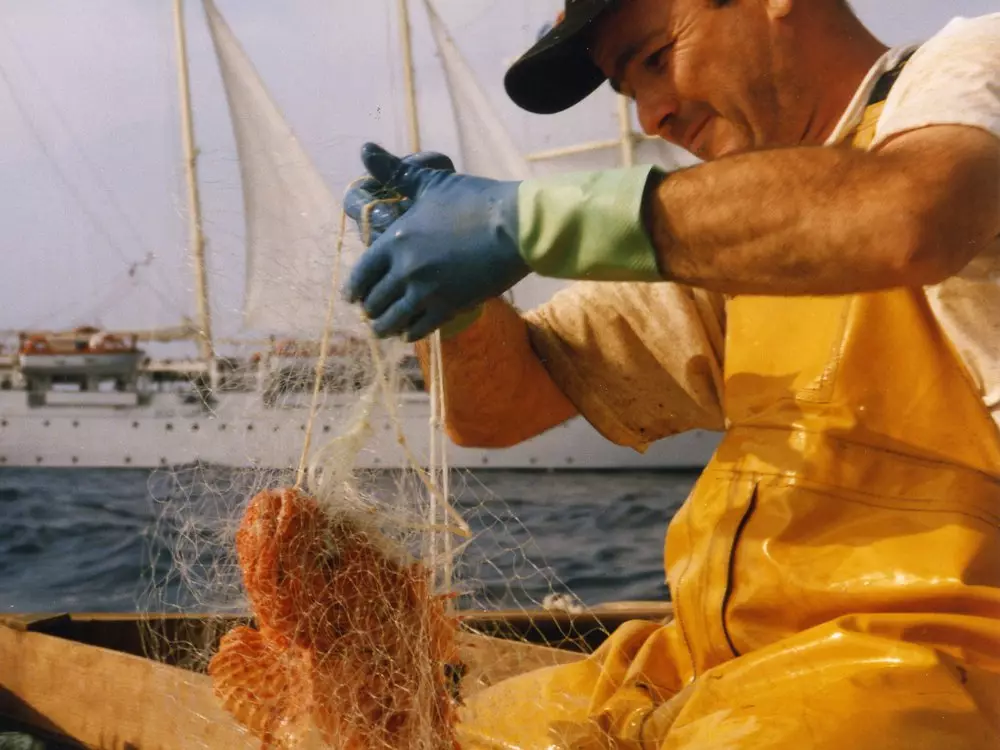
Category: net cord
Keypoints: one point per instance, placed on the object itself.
(435, 478)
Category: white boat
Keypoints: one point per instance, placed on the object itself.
(160, 414)
(168, 429)
(101, 408)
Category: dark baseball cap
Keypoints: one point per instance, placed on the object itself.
(558, 71)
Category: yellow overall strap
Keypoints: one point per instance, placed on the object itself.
(864, 132)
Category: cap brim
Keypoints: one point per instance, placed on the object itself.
(558, 71)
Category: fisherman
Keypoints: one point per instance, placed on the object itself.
(825, 287)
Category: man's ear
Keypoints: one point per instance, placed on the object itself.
(777, 9)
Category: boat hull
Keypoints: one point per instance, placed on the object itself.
(239, 431)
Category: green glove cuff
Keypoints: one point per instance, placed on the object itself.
(460, 322)
(587, 226)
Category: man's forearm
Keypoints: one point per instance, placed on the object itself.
(497, 392)
(797, 221)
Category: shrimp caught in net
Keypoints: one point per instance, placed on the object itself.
(349, 636)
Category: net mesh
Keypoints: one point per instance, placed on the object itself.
(337, 605)
(323, 621)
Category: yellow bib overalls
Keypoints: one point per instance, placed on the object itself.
(836, 570)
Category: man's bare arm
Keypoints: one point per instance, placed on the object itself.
(831, 220)
(497, 391)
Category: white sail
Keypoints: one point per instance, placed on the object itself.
(487, 148)
(292, 218)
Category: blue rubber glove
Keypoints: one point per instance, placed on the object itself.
(388, 206)
(454, 249)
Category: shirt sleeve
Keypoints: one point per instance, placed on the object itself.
(639, 361)
(953, 79)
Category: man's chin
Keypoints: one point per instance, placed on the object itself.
(724, 148)
(722, 153)
(708, 150)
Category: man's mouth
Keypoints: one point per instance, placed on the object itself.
(690, 137)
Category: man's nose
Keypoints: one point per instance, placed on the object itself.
(654, 111)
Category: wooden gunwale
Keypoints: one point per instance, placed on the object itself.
(85, 680)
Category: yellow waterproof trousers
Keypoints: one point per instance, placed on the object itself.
(835, 572)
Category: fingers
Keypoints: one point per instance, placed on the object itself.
(381, 165)
(426, 324)
(430, 160)
(359, 196)
(400, 314)
(370, 190)
(386, 206)
(373, 265)
(393, 172)
(386, 292)
(392, 304)
(372, 223)
(395, 306)
(389, 165)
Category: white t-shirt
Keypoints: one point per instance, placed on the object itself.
(953, 79)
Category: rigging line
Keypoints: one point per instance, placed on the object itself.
(126, 287)
(117, 288)
(92, 313)
(458, 27)
(95, 220)
(32, 128)
(96, 173)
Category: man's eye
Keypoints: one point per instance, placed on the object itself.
(655, 61)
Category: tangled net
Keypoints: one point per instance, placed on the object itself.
(348, 635)
(343, 583)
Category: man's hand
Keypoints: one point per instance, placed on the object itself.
(386, 206)
(454, 248)
(466, 239)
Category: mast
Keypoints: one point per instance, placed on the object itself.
(406, 38)
(626, 141)
(196, 237)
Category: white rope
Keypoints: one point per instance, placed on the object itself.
(300, 475)
(432, 458)
(439, 420)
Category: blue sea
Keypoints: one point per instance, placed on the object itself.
(95, 540)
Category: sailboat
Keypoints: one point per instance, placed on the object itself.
(226, 411)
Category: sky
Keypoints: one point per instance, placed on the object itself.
(93, 206)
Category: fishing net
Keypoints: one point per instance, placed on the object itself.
(345, 578)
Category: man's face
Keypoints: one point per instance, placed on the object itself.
(703, 77)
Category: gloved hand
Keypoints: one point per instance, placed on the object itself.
(388, 207)
(411, 282)
(466, 239)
